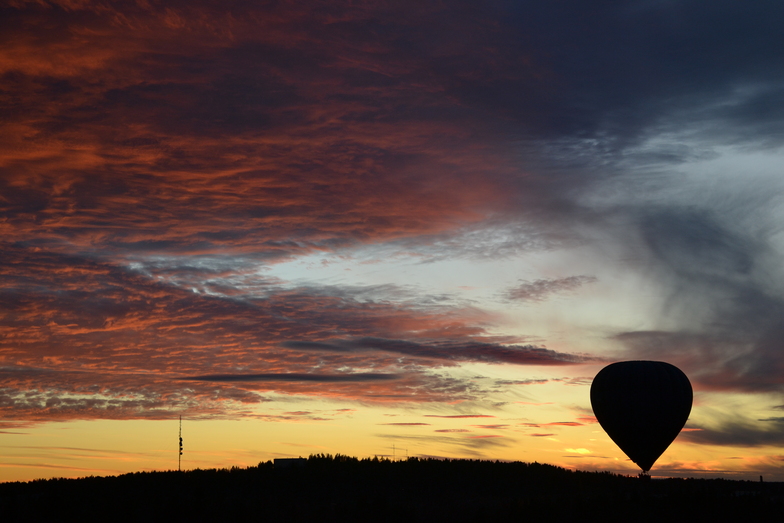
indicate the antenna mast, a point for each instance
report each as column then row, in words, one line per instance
column 179, row 458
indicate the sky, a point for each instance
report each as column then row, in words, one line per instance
column 386, row 229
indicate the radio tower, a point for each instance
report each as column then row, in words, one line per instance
column 179, row 458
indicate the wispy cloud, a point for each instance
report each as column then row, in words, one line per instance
column 459, row 416
column 292, row 377
column 145, row 336
column 737, row 431
column 540, row 290
column 449, row 350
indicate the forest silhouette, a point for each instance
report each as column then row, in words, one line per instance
column 343, row 488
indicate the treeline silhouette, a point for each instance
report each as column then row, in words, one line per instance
column 343, row 488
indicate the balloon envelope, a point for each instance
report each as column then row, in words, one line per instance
column 642, row 405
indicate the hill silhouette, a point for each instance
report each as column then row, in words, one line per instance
column 343, row 488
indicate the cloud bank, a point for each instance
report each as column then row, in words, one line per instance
column 156, row 158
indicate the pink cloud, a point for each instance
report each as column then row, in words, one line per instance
column 140, row 195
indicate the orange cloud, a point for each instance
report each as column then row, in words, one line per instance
column 154, row 157
column 110, row 341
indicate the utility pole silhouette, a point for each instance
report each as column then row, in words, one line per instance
column 179, row 458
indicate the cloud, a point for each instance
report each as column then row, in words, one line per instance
column 576, row 381
column 144, row 193
column 540, row 290
column 448, row 350
column 246, row 133
column 531, row 381
column 459, row 416
column 292, row 377
column 737, row 431
column 722, row 306
column 464, row 444
column 258, row 116
column 582, row 421
column 741, row 360
column 254, row 125
column 141, row 338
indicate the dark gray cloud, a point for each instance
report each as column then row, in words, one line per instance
column 657, row 85
column 540, row 290
column 620, row 69
column 693, row 243
column 738, row 432
column 455, row 351
column 720, row 290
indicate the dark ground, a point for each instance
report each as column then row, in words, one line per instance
column 340, row 488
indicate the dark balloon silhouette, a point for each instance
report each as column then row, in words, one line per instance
column 642, row 405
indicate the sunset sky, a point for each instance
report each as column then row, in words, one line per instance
column 386, row 228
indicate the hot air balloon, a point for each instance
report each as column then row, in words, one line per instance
column 642, row 406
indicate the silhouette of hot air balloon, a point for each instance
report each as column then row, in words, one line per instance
column 642, row 405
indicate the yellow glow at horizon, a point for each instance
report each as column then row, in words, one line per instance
column 106, row 447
